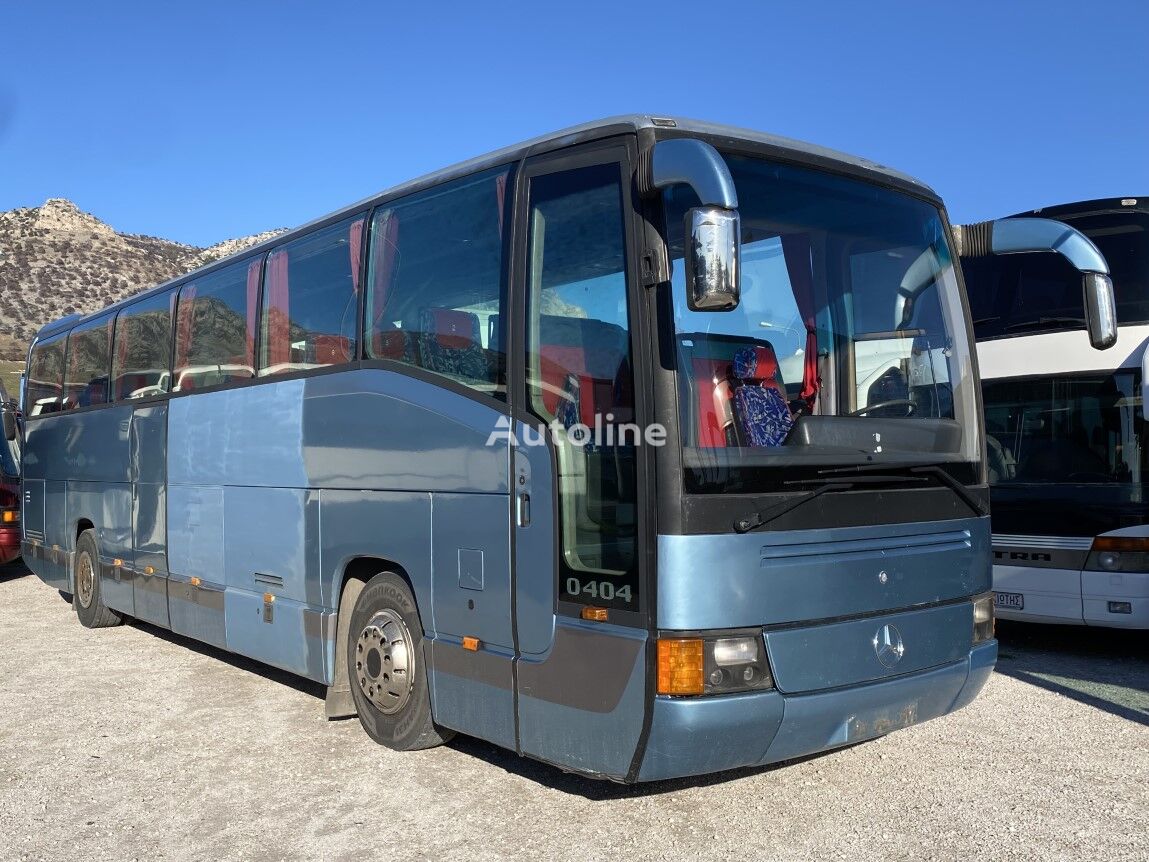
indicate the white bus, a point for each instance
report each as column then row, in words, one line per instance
column 1064, row 423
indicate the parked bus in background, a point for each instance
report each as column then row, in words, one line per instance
column 1065, row 425
column 10, row 536
column 650, row 448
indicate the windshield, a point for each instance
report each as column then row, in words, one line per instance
column 1019, row 294
column 849, row 346
column 1064, row 453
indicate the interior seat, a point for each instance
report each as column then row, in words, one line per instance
column 761, row 414
column 449, row 343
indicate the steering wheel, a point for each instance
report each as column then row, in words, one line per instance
column 906, row 402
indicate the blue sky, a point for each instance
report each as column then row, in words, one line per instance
column 207, row 120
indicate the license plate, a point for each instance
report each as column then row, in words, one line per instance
column 1016, row 601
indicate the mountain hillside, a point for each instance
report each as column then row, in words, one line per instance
column 57, row 260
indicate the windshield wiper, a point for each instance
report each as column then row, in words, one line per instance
column 765, row 516
column 1046, row 321
column 935, row 470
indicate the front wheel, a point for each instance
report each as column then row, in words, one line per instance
column 386, row 669
column 86, row 599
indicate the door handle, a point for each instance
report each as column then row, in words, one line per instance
column 524, row 510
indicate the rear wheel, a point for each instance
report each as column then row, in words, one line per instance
column 86, row 599
column 386, row 669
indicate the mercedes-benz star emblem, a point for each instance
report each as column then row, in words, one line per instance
column 888, row 646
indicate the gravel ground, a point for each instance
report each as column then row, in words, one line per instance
column 131, row 743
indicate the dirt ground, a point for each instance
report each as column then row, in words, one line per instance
column 132, row 743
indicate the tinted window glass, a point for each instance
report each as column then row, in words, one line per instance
column 1074, row 430
column 311, row 302
column 580, row 378
column 44, row 383
column 1017, row 294
column 435, row 295
column 142, row 349
column 215, row 327
column 87, row 366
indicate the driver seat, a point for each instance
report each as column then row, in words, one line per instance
column 761, row 415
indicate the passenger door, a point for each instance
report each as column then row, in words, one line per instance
column 580, row 682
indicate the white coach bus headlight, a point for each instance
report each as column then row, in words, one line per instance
column 1118, row 554
column 982, row 619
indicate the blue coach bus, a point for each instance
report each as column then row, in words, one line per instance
column 649, row 448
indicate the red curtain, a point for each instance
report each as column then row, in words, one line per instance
column 278, row 350
column 796, row 249
column 252, row 308
column 385, row 260
column 355, row 241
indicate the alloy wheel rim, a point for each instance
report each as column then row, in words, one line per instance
column 85, row 580
column 384, row 662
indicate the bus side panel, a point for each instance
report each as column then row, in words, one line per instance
column 195, row 551
column 582, row 705
column 394, row 526
column 471, row 597
column 384, row 430
column 59, row 450
column 271, row 564
column 233, row 437
column 149, row 512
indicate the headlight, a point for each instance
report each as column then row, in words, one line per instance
column 982, row 619
column 713, row 665
column 1118, row 554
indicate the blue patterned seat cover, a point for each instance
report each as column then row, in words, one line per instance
column 761, row 411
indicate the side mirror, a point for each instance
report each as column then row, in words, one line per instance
column 712, row 259
column 712, row 230
column 10, row 429
column 1026, row 235
column 1100, row 310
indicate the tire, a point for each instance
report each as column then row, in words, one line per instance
column 386, row 668
column 86, row 598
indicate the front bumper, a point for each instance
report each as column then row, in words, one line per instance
column 694, row 736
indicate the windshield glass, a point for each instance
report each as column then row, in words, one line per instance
column 1019, row 294
column 849, row 346
column 1064, row 453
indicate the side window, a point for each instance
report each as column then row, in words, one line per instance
column 142, row 349
column 311, row 304
column 44, row 385
column 435, row 295
column 215, row 327
column 87, row 367
column 580, row 376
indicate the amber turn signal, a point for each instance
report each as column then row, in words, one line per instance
column 1121, row 543
column 471, row 643
column 595, row 615
column 680, row 666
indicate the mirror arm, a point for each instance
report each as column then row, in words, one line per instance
column 1024, row 235
column 686, row 161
